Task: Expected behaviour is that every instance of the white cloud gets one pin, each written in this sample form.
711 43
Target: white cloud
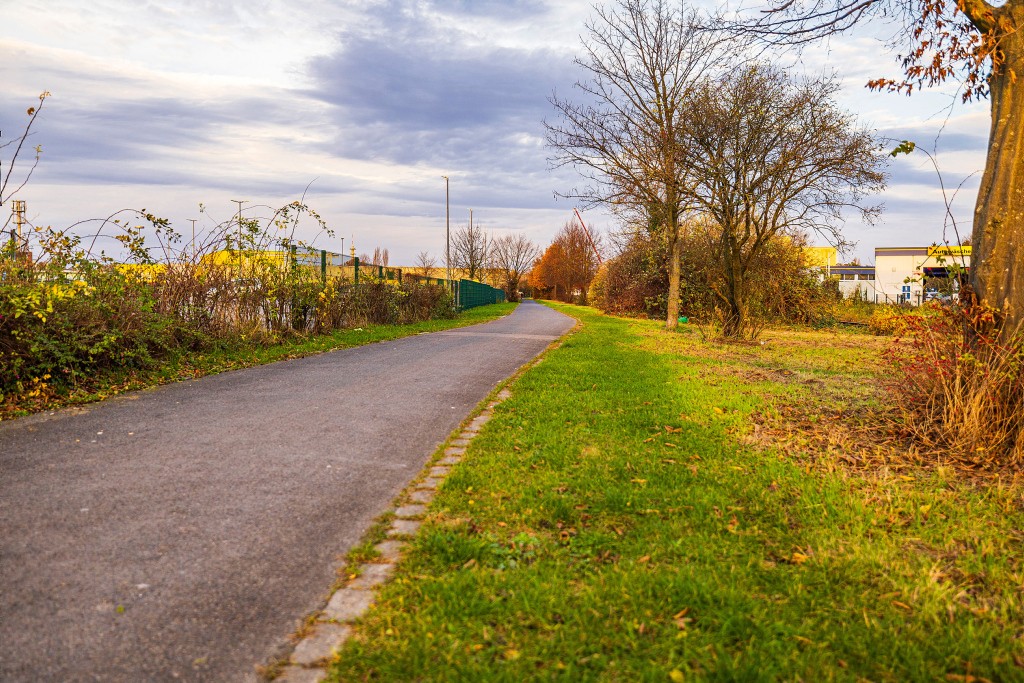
165 105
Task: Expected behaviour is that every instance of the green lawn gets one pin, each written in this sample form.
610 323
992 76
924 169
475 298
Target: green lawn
609 525
233 357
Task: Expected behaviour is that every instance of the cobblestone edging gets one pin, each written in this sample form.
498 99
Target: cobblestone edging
330 630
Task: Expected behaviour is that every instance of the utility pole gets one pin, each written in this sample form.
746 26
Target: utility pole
447 232
240 202
193 220
472 246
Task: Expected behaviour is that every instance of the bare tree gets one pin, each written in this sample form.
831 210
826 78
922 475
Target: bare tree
380 257
469 250
641 59
773 156
513 255
425 262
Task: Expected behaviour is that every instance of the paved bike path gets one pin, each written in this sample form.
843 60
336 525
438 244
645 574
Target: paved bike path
179 534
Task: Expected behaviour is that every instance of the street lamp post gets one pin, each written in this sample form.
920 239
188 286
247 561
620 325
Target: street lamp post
193 221
447 233
240 202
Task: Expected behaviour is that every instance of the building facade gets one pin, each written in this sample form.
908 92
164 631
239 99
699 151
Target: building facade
904 275
912 275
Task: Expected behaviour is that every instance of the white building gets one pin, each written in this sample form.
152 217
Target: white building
856 281
901 272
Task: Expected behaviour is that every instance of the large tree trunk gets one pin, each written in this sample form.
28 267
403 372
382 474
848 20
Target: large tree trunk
672 320
997 259
672 226
735 294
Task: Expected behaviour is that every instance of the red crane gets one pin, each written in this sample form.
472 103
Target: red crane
599 261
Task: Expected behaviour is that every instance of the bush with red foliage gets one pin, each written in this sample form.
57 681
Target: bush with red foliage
958 385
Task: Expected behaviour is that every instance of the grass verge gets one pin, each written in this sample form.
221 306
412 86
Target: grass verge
192 365
610 524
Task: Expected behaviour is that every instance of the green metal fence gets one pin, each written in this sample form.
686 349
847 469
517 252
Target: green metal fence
471 294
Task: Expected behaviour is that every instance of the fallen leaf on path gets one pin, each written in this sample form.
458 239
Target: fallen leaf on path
671 445
643 559
469 564
676 676
686 610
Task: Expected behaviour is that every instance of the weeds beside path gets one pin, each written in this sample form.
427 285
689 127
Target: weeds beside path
231 357
608 524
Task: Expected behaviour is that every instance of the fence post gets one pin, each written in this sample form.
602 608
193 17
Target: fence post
294 250
355 262
323 264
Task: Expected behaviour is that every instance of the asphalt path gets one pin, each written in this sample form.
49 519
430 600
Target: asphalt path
179 534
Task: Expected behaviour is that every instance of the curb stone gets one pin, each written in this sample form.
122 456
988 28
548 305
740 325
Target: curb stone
372 575
294 674
411 510
421 496
348 604
321 644
404 527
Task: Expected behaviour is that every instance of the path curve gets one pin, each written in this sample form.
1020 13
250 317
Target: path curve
179 534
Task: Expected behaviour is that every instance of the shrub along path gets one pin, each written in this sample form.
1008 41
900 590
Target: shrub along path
181 533
185 365
608 525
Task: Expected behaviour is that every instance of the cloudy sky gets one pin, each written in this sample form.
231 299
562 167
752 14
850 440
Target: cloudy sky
163 105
